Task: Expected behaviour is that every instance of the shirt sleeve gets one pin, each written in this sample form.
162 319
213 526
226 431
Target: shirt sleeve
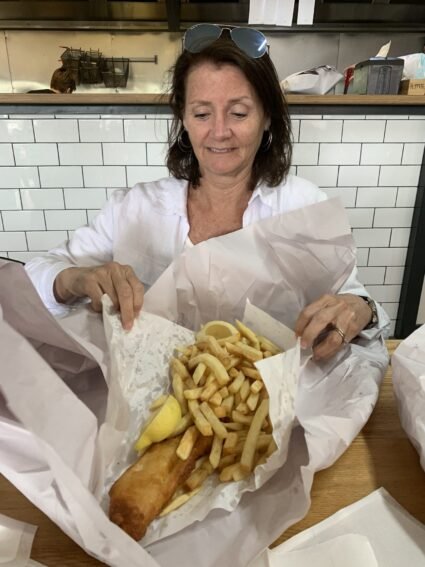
89 246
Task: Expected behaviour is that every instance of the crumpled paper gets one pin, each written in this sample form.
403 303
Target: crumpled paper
61 427
280 264
408 363
318 80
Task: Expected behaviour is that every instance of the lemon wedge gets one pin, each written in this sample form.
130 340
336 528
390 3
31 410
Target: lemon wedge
218 329
161 424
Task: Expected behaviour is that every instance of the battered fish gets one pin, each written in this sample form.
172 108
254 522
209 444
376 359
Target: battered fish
145 488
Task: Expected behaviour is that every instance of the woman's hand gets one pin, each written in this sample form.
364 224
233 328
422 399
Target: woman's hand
118 281
331 322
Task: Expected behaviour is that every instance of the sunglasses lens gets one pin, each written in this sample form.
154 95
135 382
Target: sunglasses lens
200 36
251 41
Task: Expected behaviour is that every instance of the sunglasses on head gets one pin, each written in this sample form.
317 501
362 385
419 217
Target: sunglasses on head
250 41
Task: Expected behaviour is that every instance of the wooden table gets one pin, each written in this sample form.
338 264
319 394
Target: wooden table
381 455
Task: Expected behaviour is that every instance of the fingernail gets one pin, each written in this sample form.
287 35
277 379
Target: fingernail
303 344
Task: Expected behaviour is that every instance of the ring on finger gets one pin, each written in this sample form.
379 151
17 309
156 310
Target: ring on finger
341 334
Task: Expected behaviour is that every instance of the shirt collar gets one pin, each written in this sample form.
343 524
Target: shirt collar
174 199
267 195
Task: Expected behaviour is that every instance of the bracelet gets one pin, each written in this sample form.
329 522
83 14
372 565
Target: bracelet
374 312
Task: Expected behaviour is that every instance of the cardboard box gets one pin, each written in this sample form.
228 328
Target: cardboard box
412 87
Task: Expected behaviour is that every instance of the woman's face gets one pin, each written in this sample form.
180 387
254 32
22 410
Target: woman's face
224 119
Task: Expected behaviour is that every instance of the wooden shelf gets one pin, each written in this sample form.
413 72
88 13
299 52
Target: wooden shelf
123 99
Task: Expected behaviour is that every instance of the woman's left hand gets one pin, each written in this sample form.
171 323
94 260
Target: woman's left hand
331 322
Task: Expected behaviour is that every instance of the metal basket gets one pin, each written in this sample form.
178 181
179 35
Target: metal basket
91 67
71 60
115 71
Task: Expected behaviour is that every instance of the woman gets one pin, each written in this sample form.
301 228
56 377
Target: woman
229 157
62 82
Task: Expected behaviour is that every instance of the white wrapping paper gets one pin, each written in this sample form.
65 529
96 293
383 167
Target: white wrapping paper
408 363
319 80
15 542
376 530
280 264
348 550
61 427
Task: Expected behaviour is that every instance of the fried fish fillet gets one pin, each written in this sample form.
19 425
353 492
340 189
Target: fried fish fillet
145 488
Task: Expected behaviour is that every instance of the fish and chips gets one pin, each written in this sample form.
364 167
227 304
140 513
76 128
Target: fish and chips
222 426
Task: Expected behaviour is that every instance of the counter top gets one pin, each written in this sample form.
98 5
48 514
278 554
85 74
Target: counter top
162 99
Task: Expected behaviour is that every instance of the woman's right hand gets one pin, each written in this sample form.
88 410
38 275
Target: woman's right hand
118 281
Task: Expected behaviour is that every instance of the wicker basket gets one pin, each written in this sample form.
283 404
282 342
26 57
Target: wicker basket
115 71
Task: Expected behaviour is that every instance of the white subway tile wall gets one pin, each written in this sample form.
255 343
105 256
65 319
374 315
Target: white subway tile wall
404 131
56 131
19 177
144 173
122 153
87 198
104 176
56 174
42 199
10 199
23 220
400 237
44 240
6 154
339 154
360 175
362 255
61 176
376 196
303 154
363 132
16 130
413 153
399 175
320 130
380 154
101 130
36 154
80 154
157 153
406 196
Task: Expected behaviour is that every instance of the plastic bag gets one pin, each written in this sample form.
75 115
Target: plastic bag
414 66
318 80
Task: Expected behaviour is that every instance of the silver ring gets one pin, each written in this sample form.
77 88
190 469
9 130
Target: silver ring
341 334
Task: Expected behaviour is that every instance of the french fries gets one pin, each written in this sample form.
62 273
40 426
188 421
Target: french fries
179 501
187 442
222 396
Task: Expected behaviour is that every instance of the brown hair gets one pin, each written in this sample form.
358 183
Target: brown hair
63 80
271 165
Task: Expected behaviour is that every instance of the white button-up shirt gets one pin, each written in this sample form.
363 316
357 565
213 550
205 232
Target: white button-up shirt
147 227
